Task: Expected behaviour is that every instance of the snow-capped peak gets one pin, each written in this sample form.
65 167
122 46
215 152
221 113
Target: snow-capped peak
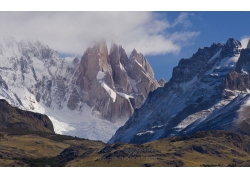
89 98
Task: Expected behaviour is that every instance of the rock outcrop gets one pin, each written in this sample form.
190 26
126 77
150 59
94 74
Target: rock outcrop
14 119
162 82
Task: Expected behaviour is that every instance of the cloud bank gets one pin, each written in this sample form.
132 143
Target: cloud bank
73 32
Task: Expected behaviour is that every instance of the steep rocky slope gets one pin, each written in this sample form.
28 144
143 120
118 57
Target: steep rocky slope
209 91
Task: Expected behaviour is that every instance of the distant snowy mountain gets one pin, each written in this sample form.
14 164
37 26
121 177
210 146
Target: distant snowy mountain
89 98
209 91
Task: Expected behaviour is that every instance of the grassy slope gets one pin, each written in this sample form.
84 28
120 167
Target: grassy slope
28 139
215 148
39 149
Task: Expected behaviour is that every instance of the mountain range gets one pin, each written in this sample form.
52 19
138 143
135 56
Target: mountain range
208 91
92 96
88 97
200 117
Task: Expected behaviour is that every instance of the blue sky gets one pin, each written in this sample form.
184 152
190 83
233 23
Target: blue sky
214 27
164 37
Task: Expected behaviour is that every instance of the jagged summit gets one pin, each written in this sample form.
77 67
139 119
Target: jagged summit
232 47
141 60
232 43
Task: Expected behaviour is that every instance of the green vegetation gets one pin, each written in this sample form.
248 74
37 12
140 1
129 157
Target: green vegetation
203 149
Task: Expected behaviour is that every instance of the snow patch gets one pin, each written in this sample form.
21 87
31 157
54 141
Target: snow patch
69 60
192 118
226 64
216 75
53 69
188 84
138 63
145 133
60 127
84 124
148 76
122 67
247 102
214 57
100 75
133 84
244 72
111 93
124 95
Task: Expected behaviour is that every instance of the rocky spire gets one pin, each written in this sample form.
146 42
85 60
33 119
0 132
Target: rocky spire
232 47
232 43
118 61
113 84
139 58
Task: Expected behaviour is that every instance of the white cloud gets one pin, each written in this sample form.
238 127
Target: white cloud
244 40
73 32
183 36
182 19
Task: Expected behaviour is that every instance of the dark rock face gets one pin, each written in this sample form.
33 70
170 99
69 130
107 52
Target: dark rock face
13 118
231 48
197 65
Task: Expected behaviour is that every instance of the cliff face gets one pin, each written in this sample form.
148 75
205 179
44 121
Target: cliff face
111 83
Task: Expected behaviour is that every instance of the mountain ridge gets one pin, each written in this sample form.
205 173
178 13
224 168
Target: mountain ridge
14 119
197 90
88 97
